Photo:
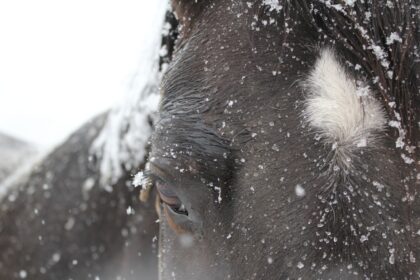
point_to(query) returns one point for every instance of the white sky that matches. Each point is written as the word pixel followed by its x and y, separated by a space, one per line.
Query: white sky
pixel 63 62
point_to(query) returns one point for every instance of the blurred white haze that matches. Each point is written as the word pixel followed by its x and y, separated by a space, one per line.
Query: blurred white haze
pixel 63 62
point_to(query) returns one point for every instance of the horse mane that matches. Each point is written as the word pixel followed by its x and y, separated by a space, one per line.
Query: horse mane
pixel 187 11
pixel 169 37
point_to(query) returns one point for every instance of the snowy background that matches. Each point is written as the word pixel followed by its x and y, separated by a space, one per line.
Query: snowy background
pixel 63 62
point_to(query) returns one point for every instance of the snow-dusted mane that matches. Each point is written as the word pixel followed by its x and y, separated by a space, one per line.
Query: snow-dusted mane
pixel 121 145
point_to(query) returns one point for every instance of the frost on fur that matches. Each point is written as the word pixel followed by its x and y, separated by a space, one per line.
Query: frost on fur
pixel 121 145
pixel 342 110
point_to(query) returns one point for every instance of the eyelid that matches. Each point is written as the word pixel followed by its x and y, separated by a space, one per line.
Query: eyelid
pixel 156 173
pixel 167 194
pixel 164 188
pixel 151 175
pixel 179 223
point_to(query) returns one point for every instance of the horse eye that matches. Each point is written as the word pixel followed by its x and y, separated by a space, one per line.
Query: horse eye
pixel 173 210
pixel 170 198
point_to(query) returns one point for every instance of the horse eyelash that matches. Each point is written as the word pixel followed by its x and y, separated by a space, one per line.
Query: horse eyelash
pixel 148 180
pixel 149 177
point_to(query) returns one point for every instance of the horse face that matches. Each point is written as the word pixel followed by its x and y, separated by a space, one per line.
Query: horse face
pixel 246 187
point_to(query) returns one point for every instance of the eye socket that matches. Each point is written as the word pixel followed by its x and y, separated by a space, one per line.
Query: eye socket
pixel 170 198
pixel 173 209
pixel 169 204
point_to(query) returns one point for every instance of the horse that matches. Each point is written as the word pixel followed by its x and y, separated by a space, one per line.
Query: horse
pixel 287 141
pixel 60 222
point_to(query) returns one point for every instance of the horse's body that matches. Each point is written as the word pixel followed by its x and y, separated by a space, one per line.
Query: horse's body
pixel 13 153
pixel 60 222
pixel 273 155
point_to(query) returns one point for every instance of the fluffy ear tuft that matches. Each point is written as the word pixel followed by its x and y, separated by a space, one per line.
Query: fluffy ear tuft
pixel 342 110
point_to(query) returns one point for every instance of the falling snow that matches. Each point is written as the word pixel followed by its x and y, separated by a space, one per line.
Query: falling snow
pixel 273 4
pixel 130 210
pixel 300 191
pixel 300 265
pixel 121 144
pixel 23 274
pixel 139 180
pixel 394 37
pixel 261 205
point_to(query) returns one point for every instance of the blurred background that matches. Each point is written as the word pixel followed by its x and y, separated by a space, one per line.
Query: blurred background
pixel 63 62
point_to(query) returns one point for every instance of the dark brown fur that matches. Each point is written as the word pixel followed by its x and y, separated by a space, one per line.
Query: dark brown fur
pixel 220 101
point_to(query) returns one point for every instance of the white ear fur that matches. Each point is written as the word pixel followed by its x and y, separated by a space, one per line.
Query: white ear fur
pixel 343 111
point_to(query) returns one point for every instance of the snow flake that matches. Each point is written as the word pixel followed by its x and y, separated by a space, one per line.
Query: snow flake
pixel 363 91
pixel 396 124
pixel 88 184
pixel 130 210
pixel 300 265
pixel 393 37
pixel 378 186
pixel 300 191
pixel 56 257
pixel 338 7
pixel 23 274
pixel 273 4
pixel 380 55
pixel 219 194
pixel 139 179
pixel 350 2
pixel 412 257
pixel 186 240
pixel 407 159
pixel 70 223
pixel 362 143
pixel 392 256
